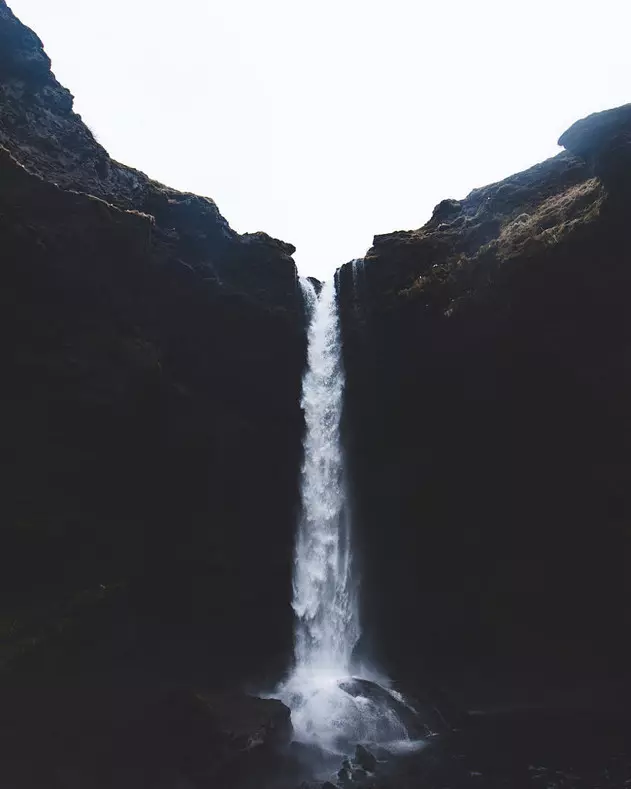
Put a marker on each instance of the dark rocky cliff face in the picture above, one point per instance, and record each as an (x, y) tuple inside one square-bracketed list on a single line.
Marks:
[(150, 408), (151, 432), (38, 125), (489, 375)]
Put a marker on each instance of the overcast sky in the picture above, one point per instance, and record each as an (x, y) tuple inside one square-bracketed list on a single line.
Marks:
[(325, 122)]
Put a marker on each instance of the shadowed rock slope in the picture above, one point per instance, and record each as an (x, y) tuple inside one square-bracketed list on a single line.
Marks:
[(488, 360), (38, 125), (150, 407)]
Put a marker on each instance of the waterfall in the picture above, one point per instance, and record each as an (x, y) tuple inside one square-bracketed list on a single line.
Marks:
[(329, 707), (327, 621), (309, 294)]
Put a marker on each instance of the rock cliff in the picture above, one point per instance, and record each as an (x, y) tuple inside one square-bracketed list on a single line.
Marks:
[(39, 127), (151, 431), (151, 424), (488, 373)]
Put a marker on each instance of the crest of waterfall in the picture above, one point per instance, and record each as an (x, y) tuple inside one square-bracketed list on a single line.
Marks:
[(309, 294), (327, 621)]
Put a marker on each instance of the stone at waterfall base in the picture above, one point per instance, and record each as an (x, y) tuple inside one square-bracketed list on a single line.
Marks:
[(365, 759), (334, 714)]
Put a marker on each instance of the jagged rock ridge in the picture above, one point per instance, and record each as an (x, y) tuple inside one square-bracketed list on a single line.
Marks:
[(39, 127)]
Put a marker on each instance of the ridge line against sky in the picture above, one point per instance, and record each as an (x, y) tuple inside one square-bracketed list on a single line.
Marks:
[(326, 123)]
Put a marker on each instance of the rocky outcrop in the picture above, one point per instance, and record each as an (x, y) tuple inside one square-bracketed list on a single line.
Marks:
[(603, 140), (487, 359), (150, 414), (39, 127), (93, 738), (530, 747)]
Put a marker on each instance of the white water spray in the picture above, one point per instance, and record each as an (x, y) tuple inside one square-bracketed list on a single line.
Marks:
[(327, 621), (309, 295), (329, 707)]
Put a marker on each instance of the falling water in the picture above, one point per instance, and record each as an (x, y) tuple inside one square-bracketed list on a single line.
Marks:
[(327, 622), (309, 295), (329, 707)]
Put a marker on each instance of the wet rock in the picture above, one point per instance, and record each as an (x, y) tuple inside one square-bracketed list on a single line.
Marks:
[(317, 284), (381, 697), (360, 776), (345, 776), (249, 722), (365, 759)]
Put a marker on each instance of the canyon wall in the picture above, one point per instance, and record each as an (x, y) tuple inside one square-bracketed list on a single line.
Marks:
[(488, 359), (150, 408), (151, 413)]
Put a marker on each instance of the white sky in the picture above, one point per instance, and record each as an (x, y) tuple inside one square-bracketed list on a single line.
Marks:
[(324, 122)]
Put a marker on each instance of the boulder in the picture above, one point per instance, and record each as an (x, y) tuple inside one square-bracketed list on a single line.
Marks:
[(365, 759), (249, 722), (382, 698)]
